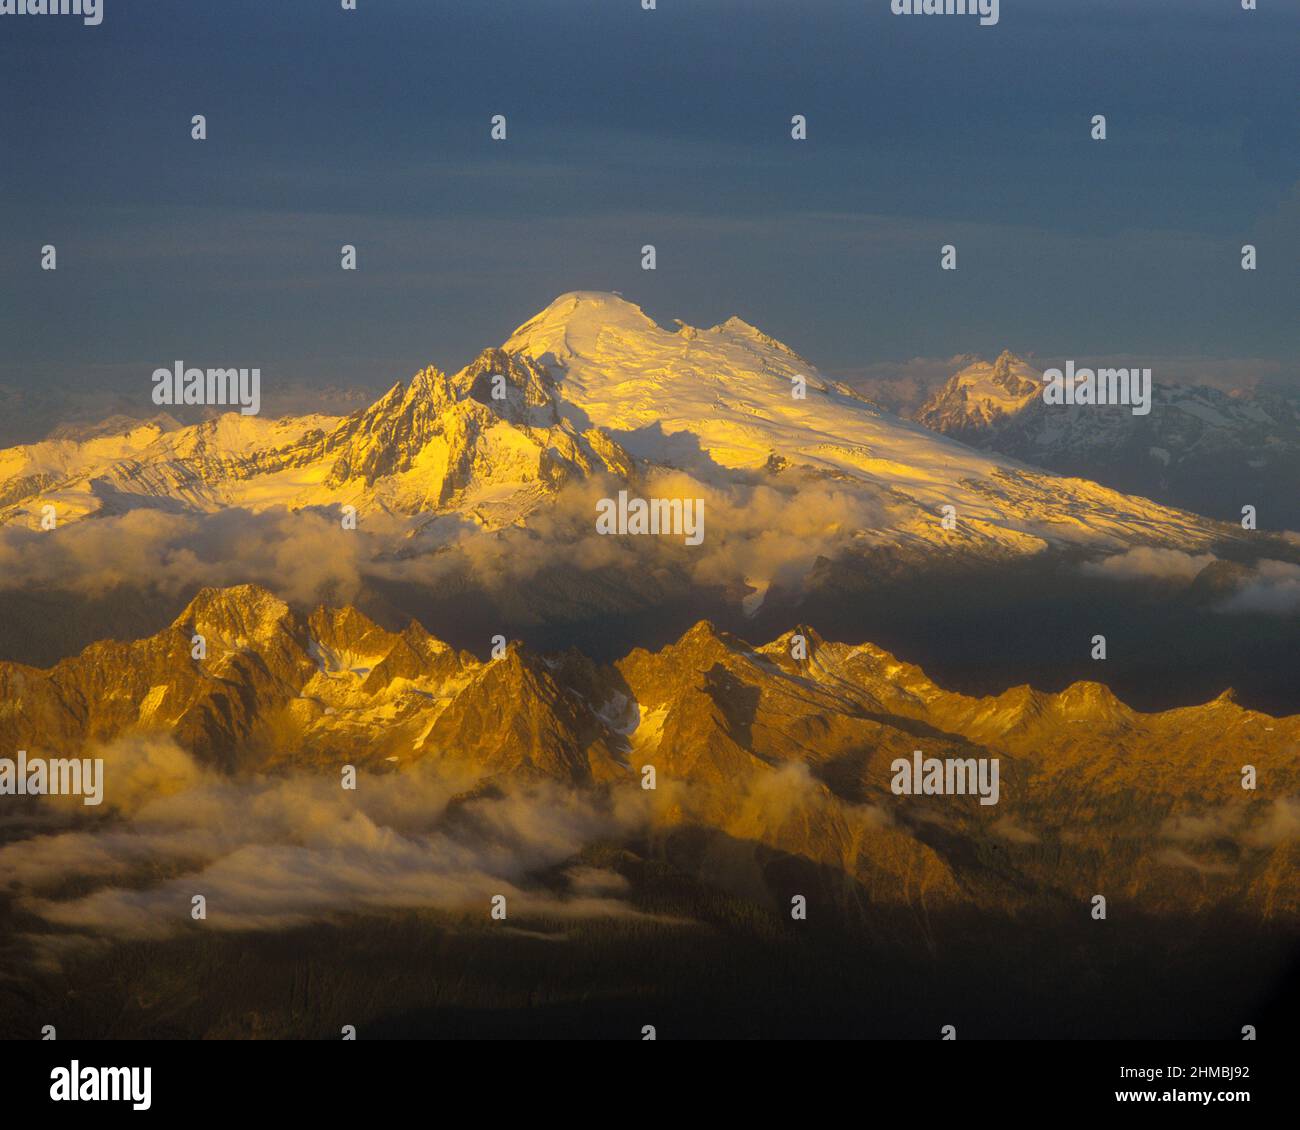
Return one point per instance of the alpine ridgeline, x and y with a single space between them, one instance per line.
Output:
787 747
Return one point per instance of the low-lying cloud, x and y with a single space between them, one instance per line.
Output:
302 555
273 853
764 532
1274 588
1248 825
1150 563
1270 587
756 532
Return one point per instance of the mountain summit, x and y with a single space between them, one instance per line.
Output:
981 394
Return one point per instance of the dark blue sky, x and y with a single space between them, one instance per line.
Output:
628 127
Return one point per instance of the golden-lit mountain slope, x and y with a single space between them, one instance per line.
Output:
787 748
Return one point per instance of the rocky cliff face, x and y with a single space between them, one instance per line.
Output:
981 396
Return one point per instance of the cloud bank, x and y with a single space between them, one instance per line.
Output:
273 853
755 532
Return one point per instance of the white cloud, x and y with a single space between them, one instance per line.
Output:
1147 563
1274 587
270 853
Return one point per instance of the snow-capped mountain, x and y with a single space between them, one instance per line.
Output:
424 447
722 398
1198 448
981 395
591 385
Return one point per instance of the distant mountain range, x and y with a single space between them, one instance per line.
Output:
1198 448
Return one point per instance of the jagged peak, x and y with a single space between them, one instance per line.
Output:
529 386
702 634
248 611
981 391
704 630
1002 367
738 327
428 382
488 359
1090 696
419 637
1023 692
811 634
346 621
736 324
498 359
392 396
782 644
